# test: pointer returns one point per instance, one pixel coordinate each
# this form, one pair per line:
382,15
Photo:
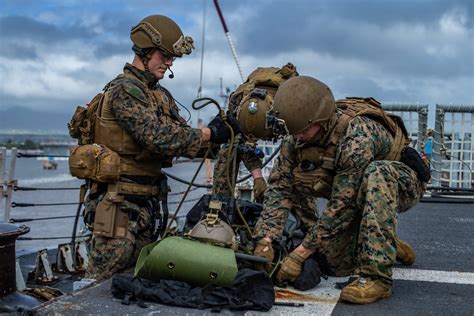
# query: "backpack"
81,126
268,78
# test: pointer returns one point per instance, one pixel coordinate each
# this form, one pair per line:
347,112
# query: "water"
30,173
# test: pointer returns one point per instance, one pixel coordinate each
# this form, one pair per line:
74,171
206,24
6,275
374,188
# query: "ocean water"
30,173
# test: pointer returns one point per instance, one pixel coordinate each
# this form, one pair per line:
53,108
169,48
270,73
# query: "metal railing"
452,156
415,117
9,185
452,141
453,146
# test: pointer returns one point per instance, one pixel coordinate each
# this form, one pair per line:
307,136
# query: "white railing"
453,146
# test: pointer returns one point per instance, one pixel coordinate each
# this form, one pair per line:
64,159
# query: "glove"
290,268
264,249
220,133
259,187
412,159
234,123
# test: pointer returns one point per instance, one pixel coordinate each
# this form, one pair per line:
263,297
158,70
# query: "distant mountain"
23,120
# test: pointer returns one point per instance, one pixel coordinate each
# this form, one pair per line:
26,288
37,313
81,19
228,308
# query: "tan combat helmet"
158,31
252,114
256,98
302,101
218,233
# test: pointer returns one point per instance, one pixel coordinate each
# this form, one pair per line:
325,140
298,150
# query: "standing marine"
356,156
130,132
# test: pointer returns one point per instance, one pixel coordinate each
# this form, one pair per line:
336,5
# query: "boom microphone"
171,75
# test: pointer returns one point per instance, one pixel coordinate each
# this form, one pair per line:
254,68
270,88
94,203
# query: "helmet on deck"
217,232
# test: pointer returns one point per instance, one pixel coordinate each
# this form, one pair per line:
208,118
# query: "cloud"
401,47
27,28
56,55
454,23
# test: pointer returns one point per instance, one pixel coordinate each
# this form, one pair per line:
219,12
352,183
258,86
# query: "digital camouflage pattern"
108,256
132,100
281,197
269,79
149,115
220,175
356,231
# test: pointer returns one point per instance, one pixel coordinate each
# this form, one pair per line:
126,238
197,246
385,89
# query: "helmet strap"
144,54
327,129
141,52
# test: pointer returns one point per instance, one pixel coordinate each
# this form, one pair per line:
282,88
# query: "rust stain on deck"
284,294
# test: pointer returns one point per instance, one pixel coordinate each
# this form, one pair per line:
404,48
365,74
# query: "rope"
208,186
23,155
187,160
447,200
199,92
14,204
276,265
184,196
23,220
450,189
17,188
267,161
453,193
184,107
187,201
181,180
234,54
182,192
50,238
76,221
197,106
229,39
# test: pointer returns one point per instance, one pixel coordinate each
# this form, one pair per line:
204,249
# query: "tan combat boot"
405,253
365,291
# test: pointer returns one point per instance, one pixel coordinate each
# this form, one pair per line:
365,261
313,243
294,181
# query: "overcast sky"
55,55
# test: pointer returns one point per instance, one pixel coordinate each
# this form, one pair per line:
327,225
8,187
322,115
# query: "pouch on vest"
412,159
318,181
81,125
110,220
95,162
76,122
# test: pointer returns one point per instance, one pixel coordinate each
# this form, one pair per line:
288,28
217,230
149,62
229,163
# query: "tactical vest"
317,180
134,159
102,128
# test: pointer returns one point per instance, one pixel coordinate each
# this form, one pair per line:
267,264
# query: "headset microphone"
171,75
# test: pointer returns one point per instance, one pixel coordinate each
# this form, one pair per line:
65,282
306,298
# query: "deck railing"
453,146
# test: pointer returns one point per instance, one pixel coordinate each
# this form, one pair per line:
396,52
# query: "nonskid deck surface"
440,282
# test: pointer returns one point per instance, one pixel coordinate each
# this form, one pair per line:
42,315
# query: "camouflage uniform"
356,231
108,256
267,79
162,136
220,179
251,162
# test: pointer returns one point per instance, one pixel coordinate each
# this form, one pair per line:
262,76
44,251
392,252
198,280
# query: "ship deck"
441,281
